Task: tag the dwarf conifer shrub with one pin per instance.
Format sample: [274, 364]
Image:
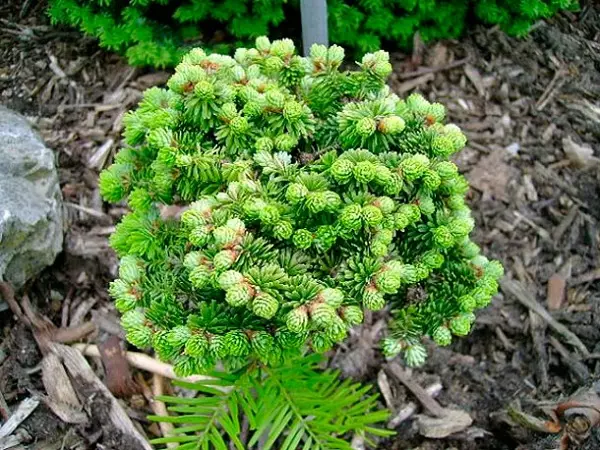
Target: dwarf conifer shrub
[159, 32]
[274, 199]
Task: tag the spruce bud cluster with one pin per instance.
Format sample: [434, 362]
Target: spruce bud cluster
[306, 195]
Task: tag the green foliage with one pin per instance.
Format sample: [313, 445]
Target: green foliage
[159, 32]
[287, 408]
[303, 196]
[282, 246]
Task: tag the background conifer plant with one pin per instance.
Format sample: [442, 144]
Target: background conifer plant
[305, 196]
[159, 32]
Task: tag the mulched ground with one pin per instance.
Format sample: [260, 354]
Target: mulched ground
[531, 109]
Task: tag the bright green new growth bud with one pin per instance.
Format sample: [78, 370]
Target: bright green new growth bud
[200, 277]
[391, 347]
[224, 259]
[223, 236]
[431, 180]
[316, 202]
[283, 230]
[178, 336]
[265, 305]
[388, 282]
[269, 215]
[364, 171]
[302, 239]
[322, 315]
[442, 336]
[239, 295]
[461, 325]
[373, 299]
[467, 303]
[296, 192]
[414, 167]
[229, 279]
[415, 355]
[285, 142]
[342, 170]
[196, 345]
[264, 144]
[366, 126]
[353, 315]
[372, 215]
[237, 343]
[432, 259]
[446, 170]
[308, 194]
[443, 237]
[385, 204]
[492, 269]
[333, 297]
[130, 269]
[297, 320]
[351, 217]
[391, 125]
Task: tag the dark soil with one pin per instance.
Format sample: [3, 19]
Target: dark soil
[537, 207]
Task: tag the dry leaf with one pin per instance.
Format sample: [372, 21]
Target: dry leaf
[454, 421]
[581, 155]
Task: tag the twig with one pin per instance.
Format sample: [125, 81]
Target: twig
[538, 335]
[26, 407]
[426, 70]
[426, 400]
[520, 293]
[573, 364]
[4, 409]
[144, 362]
[411, 407]
[160, 409]
[587, 277]
[549, 92]
[8, 294]
[72, 334]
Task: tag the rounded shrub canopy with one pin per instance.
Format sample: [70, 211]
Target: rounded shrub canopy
[275, 198]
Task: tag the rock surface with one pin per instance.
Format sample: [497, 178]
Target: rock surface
[31, 230]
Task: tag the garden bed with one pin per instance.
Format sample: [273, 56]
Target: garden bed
[531, 110]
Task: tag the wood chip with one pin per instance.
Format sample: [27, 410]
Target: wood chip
[26, 407]
[62, 398]
[428, 402]
[79, 369]
[492, 174]
[580, 155]
[414, 83]
[454, 421]
[556, 292]
[564, 225]
[411, 407]
[587, 277]
[119, 379]
[475, 78]
[520, 293]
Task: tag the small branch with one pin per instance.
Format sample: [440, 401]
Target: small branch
[160, 409]
[144, 362]
[72, 334]
[573, 364]
[411, 407]
[520, 293]
[426, 70]
[432, 406]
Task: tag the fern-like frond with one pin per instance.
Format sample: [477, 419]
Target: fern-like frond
[289, 407]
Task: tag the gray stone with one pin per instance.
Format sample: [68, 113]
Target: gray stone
[31, 220]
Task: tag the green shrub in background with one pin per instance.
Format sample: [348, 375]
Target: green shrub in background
[274, 199]
[159, 32]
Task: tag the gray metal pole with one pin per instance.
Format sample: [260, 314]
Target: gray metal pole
[314, 23]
